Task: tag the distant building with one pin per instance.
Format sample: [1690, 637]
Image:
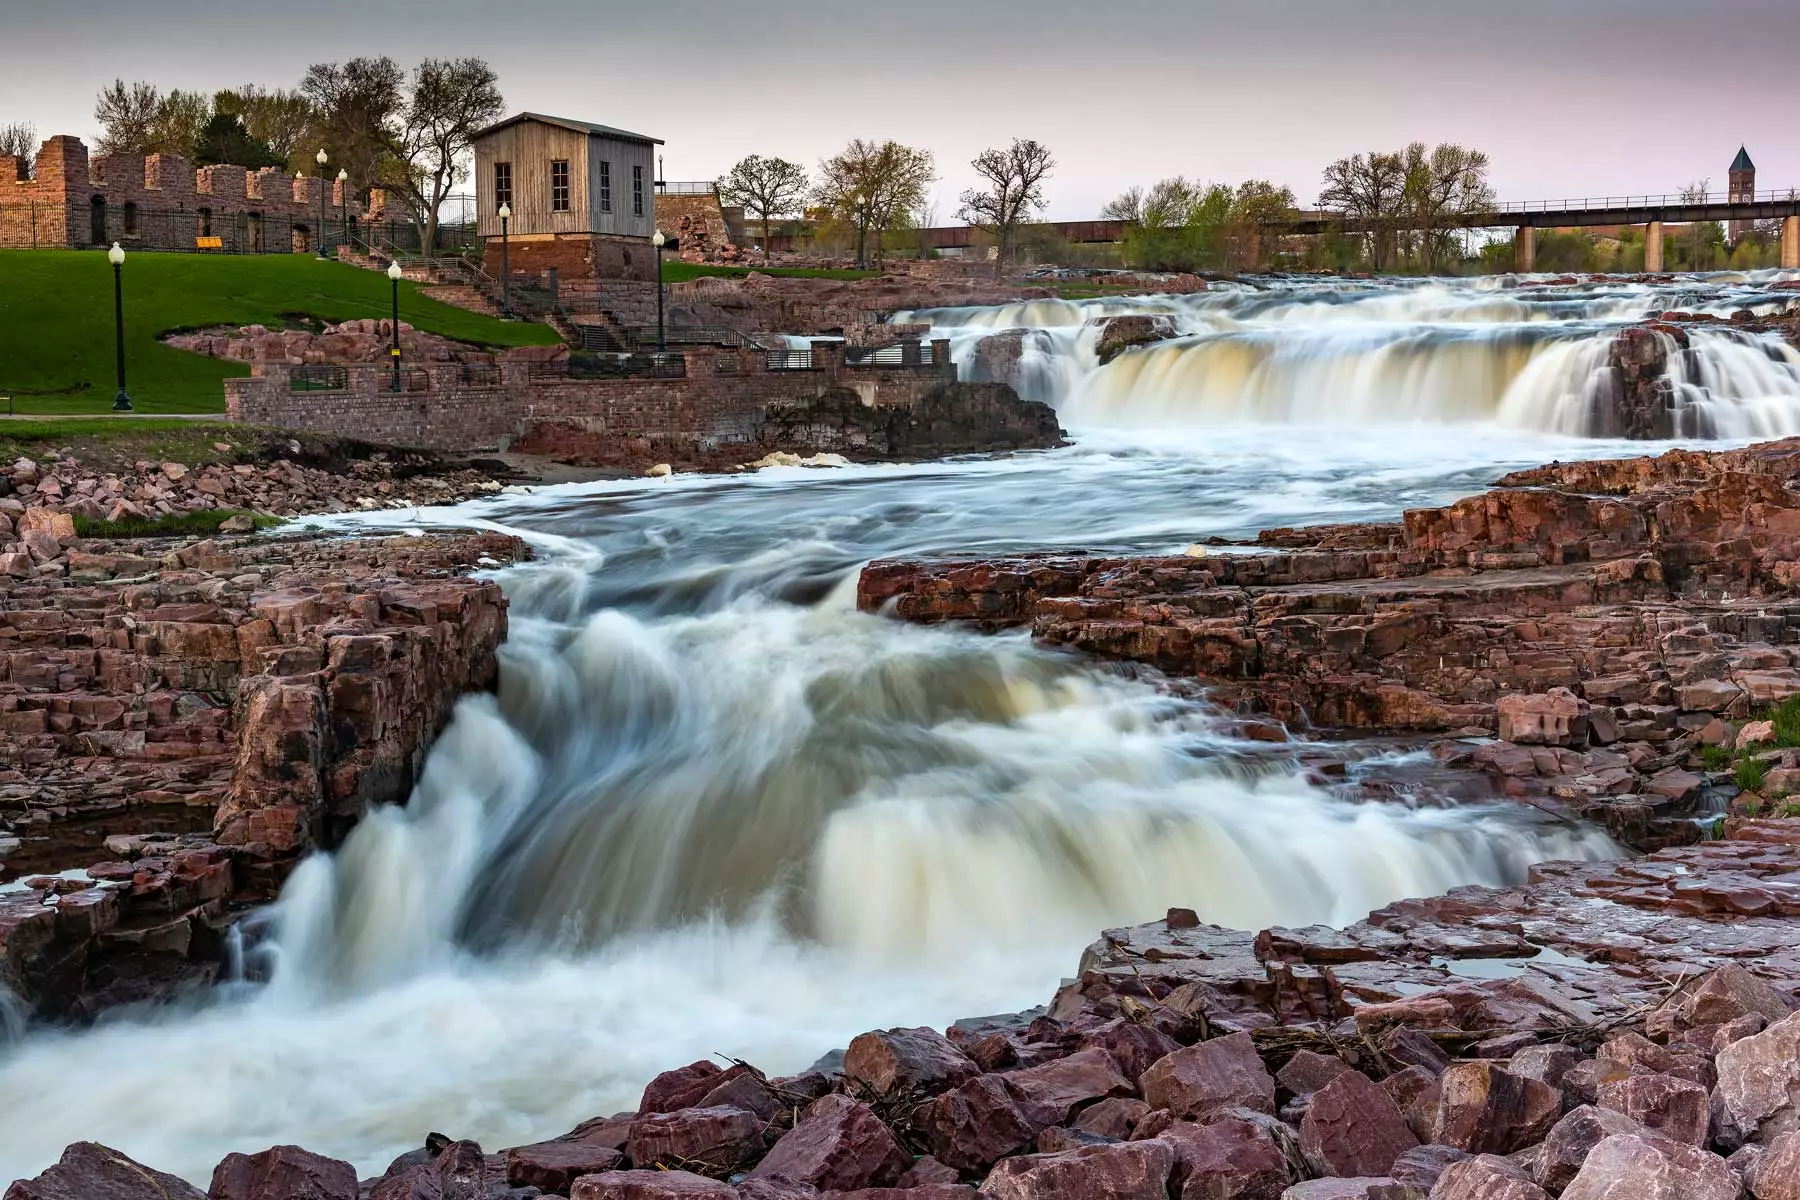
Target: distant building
[1741, 187]
[582, 197]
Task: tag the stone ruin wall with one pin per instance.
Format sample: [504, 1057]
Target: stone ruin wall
[55, 209]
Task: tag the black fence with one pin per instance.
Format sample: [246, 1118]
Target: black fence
[200, 230]
[578, 367]
[791, 360]
[480, 375]
[318, 377]
[409, 379]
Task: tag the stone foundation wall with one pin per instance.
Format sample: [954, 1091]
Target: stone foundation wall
[722, 398]
[574, 257]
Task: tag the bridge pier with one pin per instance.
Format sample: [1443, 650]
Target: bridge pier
[1790, 243]
[1653, 248]
[1525, 249]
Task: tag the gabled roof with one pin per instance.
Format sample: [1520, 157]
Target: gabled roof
[1742, 161]
[589, 127]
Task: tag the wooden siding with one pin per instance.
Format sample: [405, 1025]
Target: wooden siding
[531, 146]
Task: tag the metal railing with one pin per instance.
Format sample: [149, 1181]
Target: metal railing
[577, 368]
[318, 377]
[791, 360]
[885, 356]
[411, 379]
[696, 187]
[480, 375]
[1665, 200]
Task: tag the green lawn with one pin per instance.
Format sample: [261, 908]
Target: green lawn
[56, 321]
[681, 272]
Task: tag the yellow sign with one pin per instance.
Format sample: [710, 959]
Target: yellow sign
[209, 243]
[395, 351]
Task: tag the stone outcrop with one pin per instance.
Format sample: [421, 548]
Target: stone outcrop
[1119, 334]
[185, 721]
[360, 341]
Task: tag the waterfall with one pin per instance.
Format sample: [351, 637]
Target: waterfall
[1530, 356]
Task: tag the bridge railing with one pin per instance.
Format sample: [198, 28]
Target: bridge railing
[1665, 200]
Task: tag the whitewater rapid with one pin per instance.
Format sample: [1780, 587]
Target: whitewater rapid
[712, 809]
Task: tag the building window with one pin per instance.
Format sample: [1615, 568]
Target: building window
[502, 185]
[131, 220]
[605, 186]
[559, 186]
[637, 191]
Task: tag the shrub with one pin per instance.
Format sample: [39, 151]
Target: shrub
[1751, 772]
[206, 520]
[1715, 758]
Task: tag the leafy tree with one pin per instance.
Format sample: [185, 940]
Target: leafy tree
[180, 120]
[20, 141]
[1411, 202]
[1257, 208]
[1367, 189]
[284, 121]
[225, 140]
[1702, 243]
[1178, 225]
[359, 104]
[127, 117]
[1013, 191]
[451, 100]
[766, 187]
[877, 185]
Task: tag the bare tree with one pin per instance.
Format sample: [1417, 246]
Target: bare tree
[1367, 189]
[20, 141]
[1445, 188]
[127, 117]
[1013, 191]
[878, 185]
[767, 187]
[359, 105]
[451, 100]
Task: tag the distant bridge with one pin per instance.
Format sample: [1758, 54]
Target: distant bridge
[1652, 212]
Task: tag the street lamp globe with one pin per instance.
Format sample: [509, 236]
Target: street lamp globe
[657, 239]
[505, 212]
[342, 174]
[393, 271]
[116, 256]
[321, 157]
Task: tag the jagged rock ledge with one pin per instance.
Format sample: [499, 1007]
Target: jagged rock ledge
[185, 721]
[1607, 1030]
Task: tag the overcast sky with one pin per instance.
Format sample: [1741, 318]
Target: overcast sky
[1568, 97]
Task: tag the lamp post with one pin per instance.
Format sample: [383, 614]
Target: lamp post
[116, 256]
[662, 338]
[393, 274]
[321, 158]
[505, 266]
[343, 181]
[862, 231]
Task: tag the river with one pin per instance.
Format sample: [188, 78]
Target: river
[713, 809]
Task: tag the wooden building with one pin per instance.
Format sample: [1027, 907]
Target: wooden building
[583, 197]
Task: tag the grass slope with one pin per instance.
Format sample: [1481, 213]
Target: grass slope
[56, 321]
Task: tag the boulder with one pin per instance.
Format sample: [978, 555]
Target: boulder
[1555, 718]
[555, 1166]
[1486, 1177]
[1570, 1140]
[1227, 1158]
[1420, 1167]
[1050, 1093]
[283, 1173]
[973, 1126]
[457, 1171]
[1676, 1108]
[1307, 1072]
[717, 1139]
[920, 1061]
[650, 1185]
[838, 1145]
[1124, 1171]
[926, 1170]
[1648, 1166]
[1133, 1047]
[1114, 1117]
[90, 1171]
[1353, 1127]
[1380, 1188]
[1548, 1063]
[1485, 1109]
[1119, 334]
[680, 1088]
[1200, 1079]
[1759, 1081]
[1730, 993]
[1775, 1173]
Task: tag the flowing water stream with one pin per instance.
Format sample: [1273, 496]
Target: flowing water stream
[713, 809]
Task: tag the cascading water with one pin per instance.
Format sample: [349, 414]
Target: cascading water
[1534, 357]
[714, 809]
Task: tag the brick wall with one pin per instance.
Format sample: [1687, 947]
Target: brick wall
[574, 256]
[146, 202]
[697, 220]
[721, 400]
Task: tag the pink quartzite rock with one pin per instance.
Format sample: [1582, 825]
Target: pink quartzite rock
[974, 1126]
[1554, 718]
[650, 1185]
[1114, 1118]
[1759, 1082]
[1732, 992]
[926, 1170]
[554, 1166]
[283, 1173]
[716, 1139]
[916, 1060]
[1549, 1064]
[1777, 1169]
[1648, 1166]
[1486, 1110]
[1049, 1093]
[1307, 1072]
[680, 1088]
[1572, 1138]
[1486, 1177]
[1225, 1159]
[1360, 1188]
[90, 1171]
[1134, 1047]
[1353, 1127]
[1200, 1079]
[1420, 1167]
[457, 1172]
[1126, 1171]
[838, 1146]
[1673, 1107]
